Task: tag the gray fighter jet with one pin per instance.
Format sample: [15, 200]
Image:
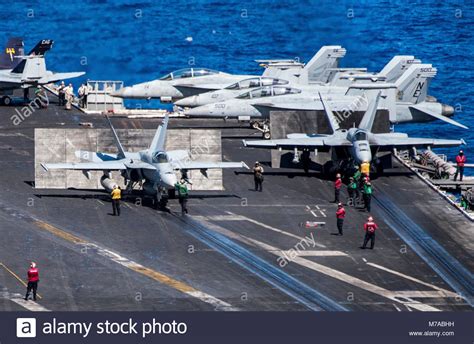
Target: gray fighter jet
[155, 166]
[31, 71]
[410, 103]
[328, 74]
[192, 81]
[13, 49]
[361, 144]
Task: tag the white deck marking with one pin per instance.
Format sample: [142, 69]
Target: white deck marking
[30, 305]
[321, 253]
[336, 274]
[444, 291]
[235, 217]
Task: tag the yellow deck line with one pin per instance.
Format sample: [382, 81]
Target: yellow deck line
[18, 278]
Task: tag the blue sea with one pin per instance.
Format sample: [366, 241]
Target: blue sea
[135, 41]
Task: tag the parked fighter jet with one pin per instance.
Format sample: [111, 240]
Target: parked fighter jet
[155, 166]
[326, 75]
[31, 71]
[9, 57]
[411, 103]
[361, 144]
[192, 81]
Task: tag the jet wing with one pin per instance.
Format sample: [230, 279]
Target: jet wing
[306, 142]
[433, 114]
[117, 165]
[87, 166]
[48, 79]
[204, 165]
[384, 140]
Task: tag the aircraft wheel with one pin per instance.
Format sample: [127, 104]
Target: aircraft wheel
[267, 136]
[172, 193]
[6, 100]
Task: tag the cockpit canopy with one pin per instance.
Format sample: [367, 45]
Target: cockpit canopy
[360, 136]
[160, 158]
[188, 73]
[256, 82]
[269, 91]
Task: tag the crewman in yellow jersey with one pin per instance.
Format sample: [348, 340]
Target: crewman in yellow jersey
[116, 196]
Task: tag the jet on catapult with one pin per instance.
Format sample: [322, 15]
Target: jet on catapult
[153, 168]
[361, 144]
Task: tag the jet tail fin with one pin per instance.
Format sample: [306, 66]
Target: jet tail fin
[9, 57]
[41, 47]
[333, 122]
[414, 83]
[397, 66]
[121, 152]
[316, 70]
[369, 117]
[158, 143]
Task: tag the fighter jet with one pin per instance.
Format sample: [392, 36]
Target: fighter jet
[329, 75]
[410, 103]
[192, 81]
[155, 166]
[9, 57]
[31, 71]
[360, 143]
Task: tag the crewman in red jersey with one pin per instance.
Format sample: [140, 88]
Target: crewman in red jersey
[370, 227]
[460, 162]
[337, 188]
[33, 279]
[340, 215]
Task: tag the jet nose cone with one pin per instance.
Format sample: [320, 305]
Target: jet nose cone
[169, 180]
[122, 92]
[200, 111]
[187, 102]
[447, 110]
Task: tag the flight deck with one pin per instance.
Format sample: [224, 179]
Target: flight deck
[237, 250]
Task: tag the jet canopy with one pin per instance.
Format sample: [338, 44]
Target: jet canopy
[256, 82]
[360, 136]
[188, 73]
[269, 91]
[160, 158]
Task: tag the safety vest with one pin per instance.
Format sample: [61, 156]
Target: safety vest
[365, 168]
[370, 226]
[461, 160]
[338, 183]
[116, 193]
[367, 189]
[340, 213]
[33, 275]
[182, 189]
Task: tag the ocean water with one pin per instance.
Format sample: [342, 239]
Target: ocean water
[135, 41]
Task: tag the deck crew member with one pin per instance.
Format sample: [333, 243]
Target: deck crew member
[460, 162]
[365, 168]
[258, 176]
[62, 94]
[369, 227]
[367, 194]
[116, 196]
[337, 188]
[81, 92]
[69, 95]
[340, 215]
[353, 191]
[33, 279]
[182, 195]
